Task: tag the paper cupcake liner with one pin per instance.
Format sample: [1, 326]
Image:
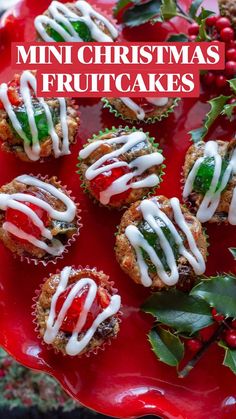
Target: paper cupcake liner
[54, 259]
[112, 291]
[51, 157]
[97, 137]
[194, 276]
[149, 120]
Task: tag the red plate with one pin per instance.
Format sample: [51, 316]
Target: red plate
[126, 380]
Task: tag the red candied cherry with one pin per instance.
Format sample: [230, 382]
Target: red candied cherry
[101, 301]
[231, 54]
[217, 316]
[193, 29]
[230, 68]
[222, 22]
[227, 34]
[221, 80]
[230, 338]
[23, 222]
[211, 20]
[209, 78]
[101, 182]
[233, 324]
[193, 345]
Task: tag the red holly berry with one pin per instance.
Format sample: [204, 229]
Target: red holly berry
[23, 222]
[101, 301]
[193, 29]
[222, 22]
[193, 345]
[231, 101]
[230, 68]
[217, 316]
[7, 362]
[192, 38]
[211, 20]
[233, 324]
[231, 54]
[221, 80]
[2, 373]
[230, 338]
[209, 78]
[227, 34]
[101, 182]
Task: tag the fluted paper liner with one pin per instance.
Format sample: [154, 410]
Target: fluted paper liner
[111, 290]
[97, 137]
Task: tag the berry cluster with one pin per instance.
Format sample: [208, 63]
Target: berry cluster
[219, 29]
[228, 335]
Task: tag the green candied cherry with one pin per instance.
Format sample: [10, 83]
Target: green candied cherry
[152, 238]
[40, 120]
[205, 175]
[80, 27]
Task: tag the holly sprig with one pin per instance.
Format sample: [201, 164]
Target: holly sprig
[181, 317]
[219, 106]
[137, 12]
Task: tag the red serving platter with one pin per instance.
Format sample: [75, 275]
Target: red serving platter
[126, 380]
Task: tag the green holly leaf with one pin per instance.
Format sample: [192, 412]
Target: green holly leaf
[232, 83]
[218, 292]
[194, 8]
[201, 20]
[230, 357]
[168, 9]
[140, 14]
[166, 346]
[181, 37]
[121, 6]
[217, 105]
[233, 251]
[198, 134]
[229, 110]
[178, 310]
[203, 15]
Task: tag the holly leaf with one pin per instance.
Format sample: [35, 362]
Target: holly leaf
[194, 8]
[201, 20]
[218, 292]
[140, 14]
[233, 251]
[232, 83]
[198, 134]
[230, 357]
[181, 37]
[229, 110]
[217, 105]
[178, 310]
[121, 6]
[168, 9]
[166, 346]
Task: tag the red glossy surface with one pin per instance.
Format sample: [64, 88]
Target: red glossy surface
[126, 380]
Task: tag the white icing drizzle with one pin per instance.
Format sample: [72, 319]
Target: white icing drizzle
[212, 197]
[138, 110]
[28, 80]
[75, 346]
[138, 166]
[16, 201]
[150, 210]
[60, 14]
